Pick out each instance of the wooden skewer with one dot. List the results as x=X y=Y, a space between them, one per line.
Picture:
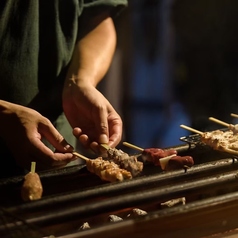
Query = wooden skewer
x=105 y=146
x=234 y=115
x=33 y=167
x=219 y=121
x=80 y=156
x=133 y=146
x=191 y=129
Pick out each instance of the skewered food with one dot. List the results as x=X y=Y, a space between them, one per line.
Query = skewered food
x=225 y=141
x=233 y=128
x=154 y=155
x=130 y=163
x=221 y=140
x=32 y=188
x=167 y=159
x=106 y=170
x=177 y=162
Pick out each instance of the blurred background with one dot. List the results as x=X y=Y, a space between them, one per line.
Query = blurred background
x=176 y=63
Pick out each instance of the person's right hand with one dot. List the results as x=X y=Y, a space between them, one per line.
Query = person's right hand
x=23 y=129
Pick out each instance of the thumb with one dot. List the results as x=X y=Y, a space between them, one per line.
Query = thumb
x=102 y=127
x=55 y=138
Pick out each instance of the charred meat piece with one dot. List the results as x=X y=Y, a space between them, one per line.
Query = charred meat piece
x=167 y=159
x=107 y=170
x=154 y=155
x=179 y=162
x=125 y=161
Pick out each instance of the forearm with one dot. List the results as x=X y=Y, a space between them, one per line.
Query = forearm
x=93 y=53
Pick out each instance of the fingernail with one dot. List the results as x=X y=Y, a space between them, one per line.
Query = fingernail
x=68 y=147
x=103 y=139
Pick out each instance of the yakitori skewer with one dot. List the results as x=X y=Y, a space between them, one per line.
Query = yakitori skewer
x=124 y=160
x=133 y=146
x=80 y=156
x=192 y=130
x=153 y=155
x=106 y=170
x=166 y=159
x=225 y=141
x=232 y=127
x=234 y=115
x=219 y=121
x=32 y=188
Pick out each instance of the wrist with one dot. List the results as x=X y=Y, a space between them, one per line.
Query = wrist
x=81 y=81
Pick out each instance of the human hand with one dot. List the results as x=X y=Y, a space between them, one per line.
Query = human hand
x=93 y=118
x=23 y=129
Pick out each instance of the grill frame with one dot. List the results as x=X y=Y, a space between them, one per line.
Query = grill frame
x=214 y=175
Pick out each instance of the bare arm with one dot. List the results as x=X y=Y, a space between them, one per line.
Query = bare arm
x=90 y=114
x=94 y=51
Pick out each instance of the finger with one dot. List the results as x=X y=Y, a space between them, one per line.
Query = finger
x=101 y=124
x=114 y=140
x=77 y=132
x=47 y=158
x=60 y=159
x=54 y=137
x=73 y=158
x=115 y=132
x=98 y=149
x=84 y=140
x=94 y=146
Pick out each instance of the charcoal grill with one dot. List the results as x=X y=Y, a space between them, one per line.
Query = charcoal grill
x=73 y=196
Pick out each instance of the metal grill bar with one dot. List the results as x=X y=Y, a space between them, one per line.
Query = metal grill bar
x=161 y=179
x=138 y=198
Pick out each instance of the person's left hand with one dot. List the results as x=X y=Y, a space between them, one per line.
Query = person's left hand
x=93 y=118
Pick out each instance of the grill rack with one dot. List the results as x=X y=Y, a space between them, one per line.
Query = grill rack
x=221 y=171
x=192 y=139
x=19 y=228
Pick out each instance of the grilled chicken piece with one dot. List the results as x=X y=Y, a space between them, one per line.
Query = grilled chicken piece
x=130 y=163
x=107 y=170
x=32 y=188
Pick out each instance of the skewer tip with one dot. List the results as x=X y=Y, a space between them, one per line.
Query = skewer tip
x=219 y=121
x=132 y=146
x=191 y=129
x=33 y=166
x=234 y=115
x=105 y=146
x=80 y=156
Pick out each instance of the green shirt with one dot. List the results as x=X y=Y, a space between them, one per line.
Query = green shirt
x=37 y=39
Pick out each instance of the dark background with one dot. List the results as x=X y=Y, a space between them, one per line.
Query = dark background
x=176 y=63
